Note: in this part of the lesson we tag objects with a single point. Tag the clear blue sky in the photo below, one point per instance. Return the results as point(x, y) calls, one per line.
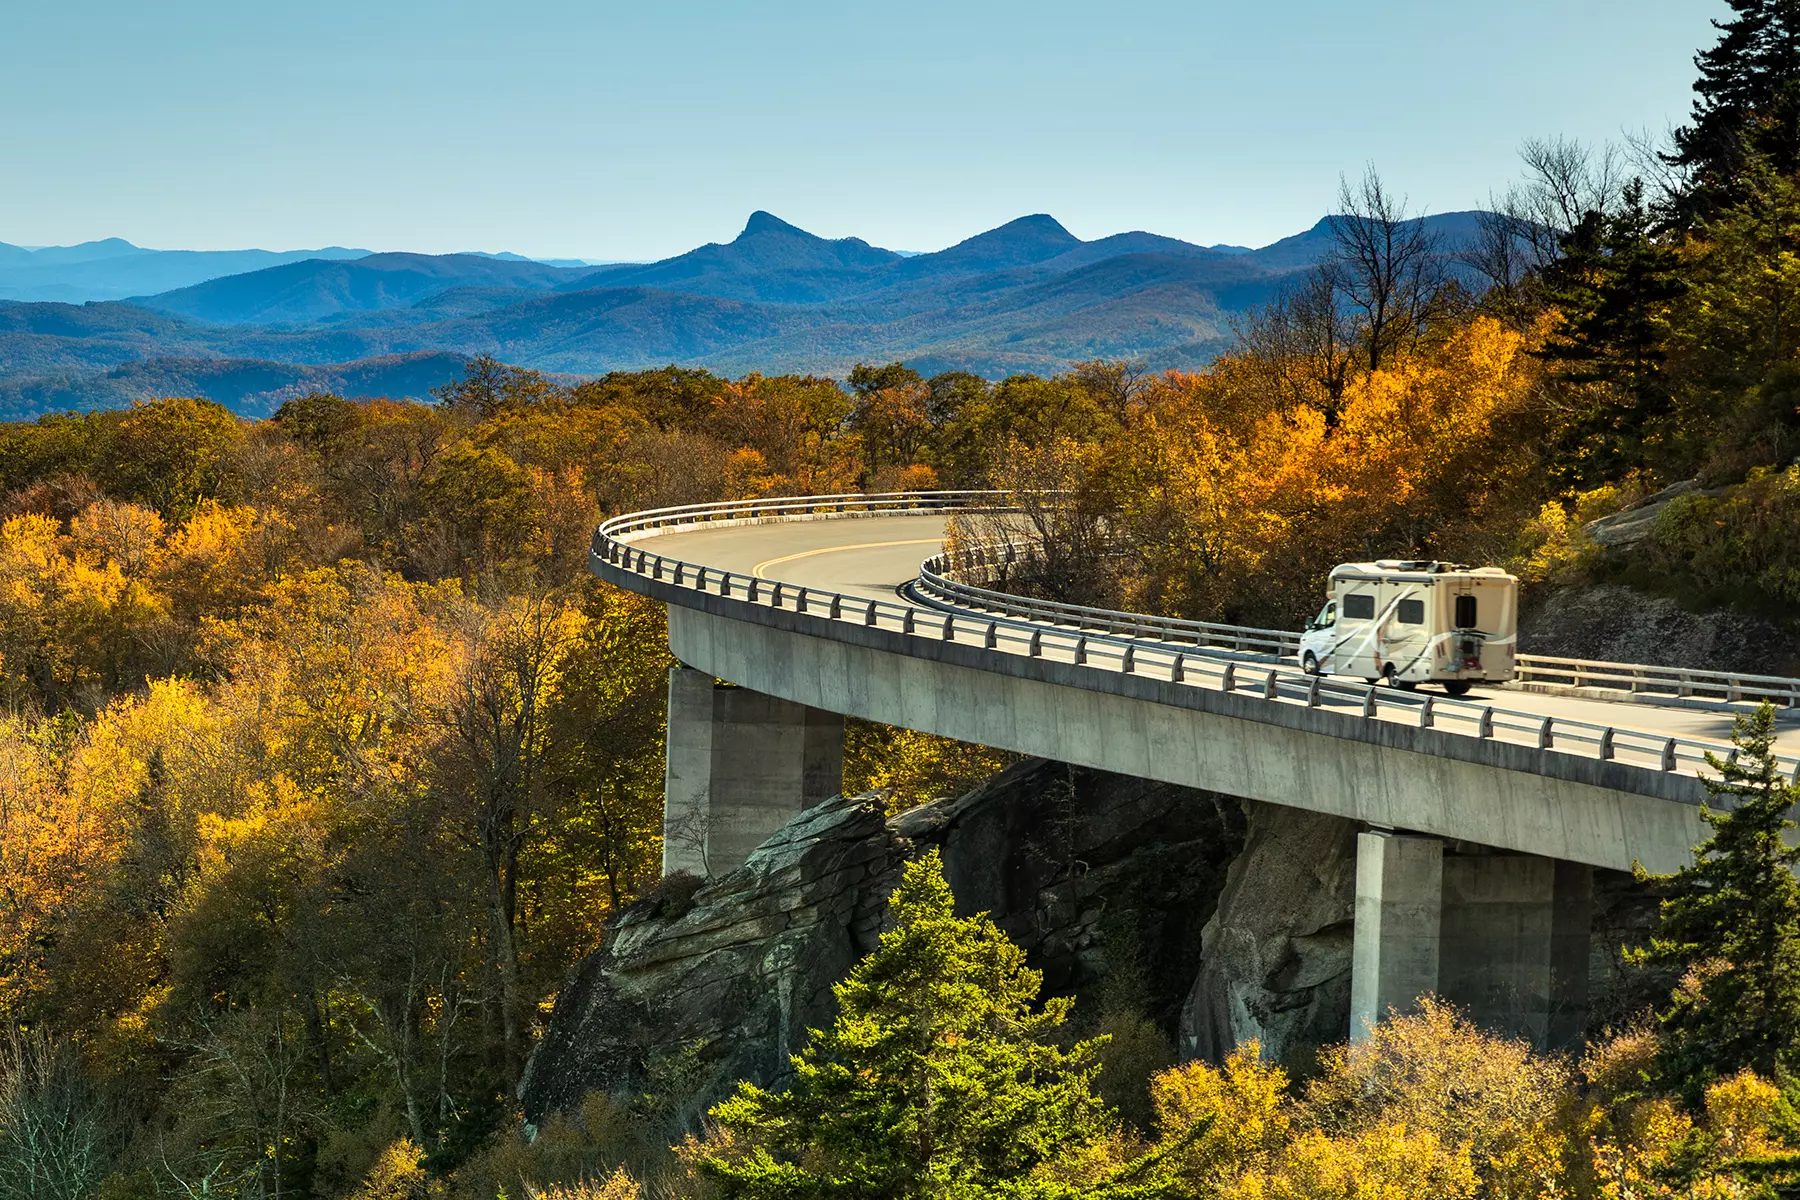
point(600, 129)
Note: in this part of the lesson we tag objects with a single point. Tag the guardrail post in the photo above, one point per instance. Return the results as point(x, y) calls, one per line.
point(869, 614)
point(1081, 649)
point(992, 640)
point(906, 622)
point(1312, 690)
point(949, 628)
point(1270, 690)
point(800, 601)
point(1637, 682)
point(1037, 643)
point(1228, 682)
point(1178, 669)
point(1128, 659)
point(724, 583)
point(1606, 743)
point(1368, 704)
point(656, 570)
point(775, 594)
point(1685, 687)
point(1485, 727)
point(1427, 718)
point(837, 606)
point(1669, 761)
point(1546, 736)
point(1733, 691)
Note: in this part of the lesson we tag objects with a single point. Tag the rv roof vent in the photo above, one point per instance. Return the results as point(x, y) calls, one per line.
point(1405, 564)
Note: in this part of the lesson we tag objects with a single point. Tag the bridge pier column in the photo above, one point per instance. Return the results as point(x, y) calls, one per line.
point(739, 765)
point(1503, 937)
point(1399, 905)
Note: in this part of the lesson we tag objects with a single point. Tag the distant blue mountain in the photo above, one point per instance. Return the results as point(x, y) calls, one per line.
point(113, 269)
point(320, 288)
point(1026, 296)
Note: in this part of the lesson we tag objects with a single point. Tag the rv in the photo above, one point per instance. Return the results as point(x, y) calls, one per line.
point(1410, 622)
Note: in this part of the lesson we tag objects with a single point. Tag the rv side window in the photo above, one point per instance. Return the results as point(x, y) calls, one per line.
point(1465, 612)
point(1359, 608)
point(1411, 612)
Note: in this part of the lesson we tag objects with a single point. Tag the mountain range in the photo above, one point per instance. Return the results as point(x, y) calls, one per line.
point(1027, 296)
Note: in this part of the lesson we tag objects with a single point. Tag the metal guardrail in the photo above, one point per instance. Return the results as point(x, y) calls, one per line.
point(1641, 678)
point(1181, 652)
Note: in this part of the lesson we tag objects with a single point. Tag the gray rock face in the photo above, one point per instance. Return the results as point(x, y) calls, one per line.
point(1099, 877)
point(1625, 529)
point(1275, 957)
point(1619, 624)
point(1224, 921)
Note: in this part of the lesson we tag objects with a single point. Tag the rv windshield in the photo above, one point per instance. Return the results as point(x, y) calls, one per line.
point(1327, 616)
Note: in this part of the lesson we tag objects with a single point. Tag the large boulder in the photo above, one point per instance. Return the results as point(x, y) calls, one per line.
point(1275, 956)
point(1099, 877)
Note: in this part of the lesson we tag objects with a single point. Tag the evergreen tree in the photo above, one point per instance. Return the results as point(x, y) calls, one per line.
point(1614, 283)
point(1747, 103)
point(1732, 928)
point(939, 1079)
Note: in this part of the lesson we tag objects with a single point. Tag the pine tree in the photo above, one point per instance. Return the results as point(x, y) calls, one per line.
point(1614, 282)
point(939, 1078)
point(1747, 103)
point(1732, 928)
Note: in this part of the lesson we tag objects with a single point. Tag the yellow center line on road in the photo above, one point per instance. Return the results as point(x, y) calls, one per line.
point(760, 567)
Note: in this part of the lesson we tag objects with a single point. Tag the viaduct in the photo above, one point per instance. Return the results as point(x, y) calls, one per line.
point(1484, 817)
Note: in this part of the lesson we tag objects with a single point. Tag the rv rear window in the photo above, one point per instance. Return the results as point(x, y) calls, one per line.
point(1465, 612)
point(1411, 612)
point(1359, 608)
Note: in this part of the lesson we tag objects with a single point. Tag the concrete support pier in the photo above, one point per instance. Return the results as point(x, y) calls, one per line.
point(1399, 908)
point(1504, 937)
point(739, 765)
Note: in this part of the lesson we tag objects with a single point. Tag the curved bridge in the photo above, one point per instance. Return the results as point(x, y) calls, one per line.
point(818, 608)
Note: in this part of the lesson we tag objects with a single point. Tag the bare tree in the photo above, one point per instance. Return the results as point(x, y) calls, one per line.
point(1306, 341)
point(1114, 385)
point(1564, 180)
point(56, 1140)
point(1388, 266)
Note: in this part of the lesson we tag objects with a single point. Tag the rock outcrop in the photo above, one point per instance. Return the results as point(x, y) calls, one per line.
point(1275, 957)
point(1221, 920)
point(1099, 877)
point(1620, 624)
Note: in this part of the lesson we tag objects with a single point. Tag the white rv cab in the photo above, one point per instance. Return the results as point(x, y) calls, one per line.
point(1409, 622)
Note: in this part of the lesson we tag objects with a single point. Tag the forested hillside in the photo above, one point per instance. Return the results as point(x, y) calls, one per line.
point(323, 758)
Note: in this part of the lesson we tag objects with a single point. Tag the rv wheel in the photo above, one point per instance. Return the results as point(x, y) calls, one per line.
point(1310, 664)
point(1457, 687)
point(1394, 681)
